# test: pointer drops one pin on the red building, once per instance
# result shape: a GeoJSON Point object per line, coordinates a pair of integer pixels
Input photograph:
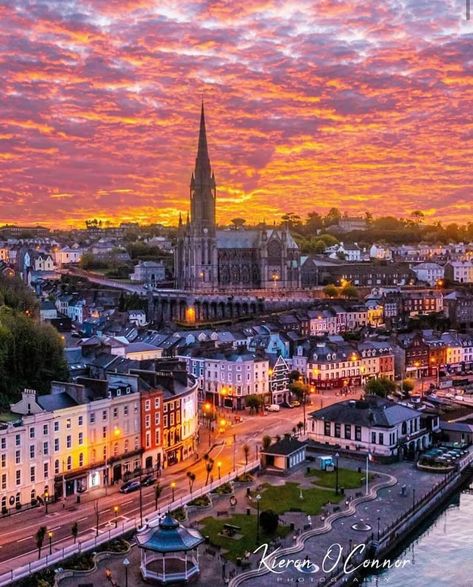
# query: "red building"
{"type": "Point", "coordinates": [151, 402]}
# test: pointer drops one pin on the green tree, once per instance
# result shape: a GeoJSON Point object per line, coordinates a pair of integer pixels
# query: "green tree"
{"type": "Point", "coordinates": [407, 385]}
{"type": "Point", "coordinates": [157, 494]}
{"type": "Point", "coordinates": [382, 386]}
{"type": "Point", "coordinates": [294, 375]}
{"type": "Point", "coordinates": [208, 469]}
{"type": "Point", "coordinates": [266, 442]}
{"type": "Point", "coordinates": [330, 291]}
{"type": "Point", "coordinates": [269, 521]}
{"type": "Point", "coordinates": [246, 452]}
{"type": "Point", "coordinates": [238, 223]}
{"type": "Point", "coordinates": [349, 291]}
{"type": "Point", "coordinates": [254, 402]}
{"type": "Point", "coordinates": [191, 479]}
{"type": "Point", "coordinates": [75, 531]}
{"type": "Point", "coordinates": [39, 539]}
{"type": "Point", "coordinates": [300, 389]}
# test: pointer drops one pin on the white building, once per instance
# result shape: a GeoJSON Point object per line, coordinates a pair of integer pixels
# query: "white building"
{"type": "Point", "coordinates": [459, 271]}
{"type": "Point", "coordinates": [429, 273]}
{"type": "Point", "coordinates": [151, 272]}
{"type": "Point", "coordinates": [375, 425]}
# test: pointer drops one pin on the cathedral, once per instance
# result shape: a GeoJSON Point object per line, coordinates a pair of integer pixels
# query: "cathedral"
{"type": "Point", "coordinates": [207, 258]}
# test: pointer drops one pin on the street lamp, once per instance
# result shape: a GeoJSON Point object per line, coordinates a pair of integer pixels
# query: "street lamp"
{"type": "Point", "coordinates": [173, 487]}
{"type": "Point", "coordinates": [258, 498]}
{"type": "Point", "coordinates": [126, 563]}
{"type": "Point", "coordinates": [46, 500]}
{"type": "Point", "coordinates": [50, 537]}
{"type": "Point", "coordinates": [337, 456]}
{"type": "Point", "coordinates": [219, 466]}
{"type": "Point", "coordinates": [115, 509]}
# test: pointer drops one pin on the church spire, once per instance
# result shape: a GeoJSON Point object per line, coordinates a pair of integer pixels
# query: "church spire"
{"type": "Point", "coordinates": [202, 162]}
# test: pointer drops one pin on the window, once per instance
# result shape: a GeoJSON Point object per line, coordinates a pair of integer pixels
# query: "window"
{"type": "Point", "coordinates": [56, 467]}
{"type": "Point", "coordinates": [158, 437]}
{"type": "Point", "coordinates": [69, 441]}
{"type": "Point", "coordinates": [17, 457]}
{"type": "Point", "coordinates": [46, 470]}
{"type": "Point", "coordinates": [104, 415]}
{"type": "Point", "coordinates": [381, 438]}
{"type": "Point", "coordinates": [69, 463]}
{"type": "Point", "coordinates": [81, 459]}
{"type": "Point", "coordinates": [56, 445]}
{"type": "Point", "coordinates": [147, 405]}
{"type": "Point", "coordinates": [81, 438]}
{"type": "Point", "coordinates": [147, 421]}
{"type": "Point", "coordinates": [18, 477]}
{"type": "Point", "coordinates": [32, 474]}
{"type": "Point", "coordinates": [348, 431]}
{"type": "Point", "coordinates": [45, 429]}
{"type": "Point", "coordinates": [4, 481]}
{"type": "Point", "coordinates": [172, 419]}
{"type": "Point", "coordinates": [45, 448]}
{"type": "Point", "coordinates": [31, 432]}
{"type": "Point", "coordinates": [32, 451]}
{"type": "Point", "coordinates": [104, 432]}
{"type": "Point", "coordinates": [56, 426]}
{"type": "Point", "coordinates": [4, 461]}
{"type": "Point", "coordinates": [157, 402]}
{"type": "Point", "coordinates": [125, 410]}
{"type": "Point", "coordinates": [165, 421]}
{"type": "Point", "coordinates": [157, 419]}
{"type": "Point", "coordinates": [115, 412]}
{"type": "Point", "coordinates": [126, 445]}
{"type": "Point", "coordinates": [92, 417]}
{"type": "Point", "coordinates": [148, 439]}
{"type": "Point", "coordinates": [17, 440]}
{"type": "Point", "coordinates": [80, 420]}
{"type": "Point", "coordinates": [68, 423]}
{"type": "Point", "coordinates": [3, 444]}
{"type": "Point", "coordinates": [115, 449]}
{"type": "Point", "coordinates": [373, 437]}
{"type": "Point", "coordinates": [327, 429]}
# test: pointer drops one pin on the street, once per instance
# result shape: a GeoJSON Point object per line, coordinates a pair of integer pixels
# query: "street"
{"type": "Point", "coordinates": [17, 542]}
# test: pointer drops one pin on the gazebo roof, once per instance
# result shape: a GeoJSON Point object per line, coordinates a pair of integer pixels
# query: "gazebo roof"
{"type": "Point", "coordinates": [169, 536]}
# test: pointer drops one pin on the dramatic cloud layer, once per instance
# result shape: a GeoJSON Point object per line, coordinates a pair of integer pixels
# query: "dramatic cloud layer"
{"type": "Point", "coordinates": [310, 104]}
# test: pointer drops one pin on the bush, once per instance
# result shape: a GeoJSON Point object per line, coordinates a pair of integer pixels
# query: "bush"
{"type": "Point", "coordinates": [116, 545]}
{"type": "Point", "coordinates": [269, 521]}
{"type": "Point", "coordinates": [201, 502]}
{"type": "Point", "coordinates": [179, 514]}
{"type": "Point", "coordinates": [80, 562]}
{"type": "Point", "coordinates": [224, 489]}
{"type": "Point", "coordinates": [244, 478]}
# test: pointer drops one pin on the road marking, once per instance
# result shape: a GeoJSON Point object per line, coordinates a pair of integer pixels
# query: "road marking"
{"type": "Point", "coordinates": [103, 511]}
{"type": "Point", "coordinates": [23, 539]}
{"type": "Point", "coordinates": [82, 519]}
{"type": "Point", "coordinates": [56, 528]}
{"type": "Point", "coordinates": [125, 502]}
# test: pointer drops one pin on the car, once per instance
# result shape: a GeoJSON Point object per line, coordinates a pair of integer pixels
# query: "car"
{"type": "Point", "coordinates": [295, 404]}
{"type": "Point", "coordinates": [130, 486]}
{"type": "Point", "coordinates": [287, 405]}
{"type": "Point", "coordinates": [273, 408]}
{"type": "Point", "coordinates": [148, 480]}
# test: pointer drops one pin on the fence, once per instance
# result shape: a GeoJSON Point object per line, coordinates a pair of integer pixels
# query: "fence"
{"type": "Point", "coordinates": [111, 533]}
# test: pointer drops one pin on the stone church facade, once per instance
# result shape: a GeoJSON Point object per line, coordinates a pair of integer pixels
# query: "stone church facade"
{"type": "Point", "coordinates": [207, 258]}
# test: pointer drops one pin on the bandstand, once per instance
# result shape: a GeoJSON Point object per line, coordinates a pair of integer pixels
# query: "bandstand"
{"type": "Point", "coordinates": [169, 552]}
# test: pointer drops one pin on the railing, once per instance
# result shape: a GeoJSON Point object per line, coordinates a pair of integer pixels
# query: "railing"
{"type": "Point", "coordinates": [111, 533]}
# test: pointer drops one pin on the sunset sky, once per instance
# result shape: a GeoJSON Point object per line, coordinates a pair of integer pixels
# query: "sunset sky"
{"type": "Point", "coordinates": [361, 104]}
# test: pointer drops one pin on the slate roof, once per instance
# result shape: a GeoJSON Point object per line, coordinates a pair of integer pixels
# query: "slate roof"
{"type": "Point", "coordinates": [374, 411]}
{"type": "Point", "coordinates": [56, 401]}
{"type": "Point", "coordinates": [285, 447]}
{"type": "Point", "coordinates": [170, 536]}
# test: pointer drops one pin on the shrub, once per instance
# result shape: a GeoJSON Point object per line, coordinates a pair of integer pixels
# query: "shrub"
{"type": "Point", "coordinates": [201, 502]}
{"type": "Point", "coordinates": [224, 489]}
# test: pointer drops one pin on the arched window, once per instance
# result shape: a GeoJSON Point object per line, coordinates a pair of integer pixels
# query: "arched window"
{"type": "Point", "coordinates": [56, 467]}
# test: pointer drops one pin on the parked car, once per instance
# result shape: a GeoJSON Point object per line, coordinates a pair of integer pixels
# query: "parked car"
{"type": "Point", "coordinates": [273, 408]}
{"type": "Point", "coordinates": [287, 405]}
{"type": "Point", "coordinates": [130, 486]}
{"type": "Point", "coordinates": [148, 480]}
{"type": "Point", "coordinates": [295, 404]}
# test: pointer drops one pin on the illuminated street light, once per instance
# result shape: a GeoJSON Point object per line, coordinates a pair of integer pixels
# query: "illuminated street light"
{"type": "Point", "coordinates": [173, 487]}
{"type": "Point", "coordinates": [50, 537]}
{"type": "Point", "coordinates": [115, 510]}
{"type": "Point", "coordinates": [219, 466]}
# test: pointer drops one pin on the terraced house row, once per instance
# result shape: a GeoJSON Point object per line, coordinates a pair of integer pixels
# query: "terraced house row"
{"type": "Point", "coordinates": [96, 432]}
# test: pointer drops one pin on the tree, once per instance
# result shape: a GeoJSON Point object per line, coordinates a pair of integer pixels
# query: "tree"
{"type": "Point", "coordinates": [381, 386]}
{"type": "Point", "coordinates": [238, 223]}
{"type": "Point", "coordinates": [266, 442]}
{"type": "Point", "coordinates": [269, 521]}
{"type": "Point", "coordinates": [246, 452]}
{"type": "Point", "coordinates": [418, 216]}
{"type": "Point", "coordinates": [157, 494]}
{"type": "Point", "coordinates": [294, 375]}
{"type": "Point", "coordinates": [191, 478]}
{"type": "Point", "coordinates": [39, 539]}
{"type": "Point", "coordinates": [300, 425]}
{"type": "Point", "coordinates": [254, 402]}
{"type": "Point", "coordinates": [313, 223]}
{"type": "Point", "coordinates": [300, 389]}
{"type": "Point", "coordinates": [293, 221]}
{"type": "Point", "coordinates": [208, 469]}
{"type": "Point", "coordinates": [407, 385]}
{"type": "Point", "coordinates": [330, 291]}
{"type": "Point", "coordinates": [75, 531]}
{"type": "Point", "coordinates": [349, 291]}
{"type": "Point", "coordinates": [333, 217]}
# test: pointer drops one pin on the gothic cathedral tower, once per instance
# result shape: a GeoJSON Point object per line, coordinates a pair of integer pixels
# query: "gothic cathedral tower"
{"type": "Point", "coordinates": [196, 260]}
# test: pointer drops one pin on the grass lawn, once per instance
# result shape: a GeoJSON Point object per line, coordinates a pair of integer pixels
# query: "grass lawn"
{"type": "Point", "coordinates": [235, 548]}
{"type": "Point", "coordinates": [285, 498]}
{"type": "Point", "coordinates": [347, 478]}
